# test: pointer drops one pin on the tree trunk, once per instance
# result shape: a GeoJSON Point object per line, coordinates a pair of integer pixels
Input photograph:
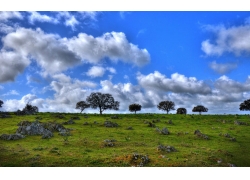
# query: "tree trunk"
{"type": "Point", "coordinates": [135, 112]}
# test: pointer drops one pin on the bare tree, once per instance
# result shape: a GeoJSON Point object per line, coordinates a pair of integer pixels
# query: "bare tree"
{"type": "Point", "coordinates": [134, 107]}
{"type": "Point", "coordinates": [166, 106]}
{"type": "Point", "coordinates": [102, 101]}
{"type": "Point", "coordinates": [200, 109]}
{"type": "Point", "coordinates": [82, 105]}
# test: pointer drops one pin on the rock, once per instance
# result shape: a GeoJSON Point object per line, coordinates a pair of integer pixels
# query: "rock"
{"type": "Point", "coordinates": [95, 122]}
{"type": "Point", "coordinates": [164, 131]}
{"type": "Point", "coordinates": [199, 134]}
{"type": "Point", "coordinates": [110, 124]}
{"type": "Point", "coordinates": [109, 142]}
{"type": "Point", "coordinates": [64, 133]}
{"type": "Point", "coordinates": [239, 123]}
{"type": "Point", "coordinates": [139, 160]}
{"type": "Point", "coordinates": [170, 122]}
{"type": "Point", "coordinates": [47, 134]}
{"type": "Point", "coordinates": [129, 128]}
{"type": "Point", "coordinates": [150, 124]}
{"type": "Point", "coordinates": [114, 117]}
{"type": "Point", "coordinates": [69, 122]}
{"type": "Point", "coordinates": [75, 118]}
{"type": "Point", "coordinates": [12, 136]}
{"type": "Point", "coordinates": [166, 148]}
{"type": "Point", "coordinates": [85, 123]}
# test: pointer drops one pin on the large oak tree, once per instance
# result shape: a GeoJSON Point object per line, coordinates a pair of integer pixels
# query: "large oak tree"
{"type": "Point", "coordinates": [134, 107]}
{"type": "Point", "coordinates": [166, 106]}
{"type": "Point", "coordinates": [245, 106]}
{"type": "Point", "coordinates": [200, 109]}
{"type": "Point", "coordinates": [102, 101]}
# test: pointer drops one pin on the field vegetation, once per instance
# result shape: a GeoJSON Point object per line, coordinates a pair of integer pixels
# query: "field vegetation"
{"type": "Point", "coordinates": [149, 140]}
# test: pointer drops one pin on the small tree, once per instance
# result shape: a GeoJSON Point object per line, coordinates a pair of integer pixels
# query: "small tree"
{"type": "Point", "coordinates": [1, 103]}
{"type": "Point", "coordinates": [200, 109]}
{"type": "Point", "coordinates": [245, 106]}
{"type": "Point", "coordinates": [166, 106]}
{"type": "Point", "coordinates": [134, 107]}
{"type": "Point", "coordinates": [82, 105]}
{"type": "Point", "coordinates": [29, 109]}
{"type": "Point", "coordinates": [102, 101]}
{"type": "Point", "coordinates": [181, 111]}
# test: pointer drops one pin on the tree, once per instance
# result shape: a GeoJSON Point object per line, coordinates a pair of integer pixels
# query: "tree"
{"type": "Point", "coordinates": [166, 106]}
{"type": "Point", "coordinates": [102, 101]}
{"type": "Point", "coordinates": [1, 103]}
{"type": "Point", "coordinates": [200, 109]}
{"type": "Point", "coordinates": [181, 111]}
{"type": "Point", "coordinates": [134, 107]}
{"type": "Point", "coordinates": [29, 109]}
{"type": "Point", "coordinates": [82, 105]}
{"type": "Point", "coordinates": [245, 106]}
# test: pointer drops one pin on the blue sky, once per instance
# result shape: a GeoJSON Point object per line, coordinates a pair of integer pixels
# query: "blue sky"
{"type": "Point", "coordinates": [55, 59]}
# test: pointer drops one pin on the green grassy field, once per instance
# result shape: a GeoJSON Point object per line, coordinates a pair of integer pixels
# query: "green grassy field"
{"type": "Point", "coordinates": [86, 146]}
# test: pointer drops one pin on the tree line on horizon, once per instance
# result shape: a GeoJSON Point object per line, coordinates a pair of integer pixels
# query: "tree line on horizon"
{"type": "Point", "coordinates": [102, 102]}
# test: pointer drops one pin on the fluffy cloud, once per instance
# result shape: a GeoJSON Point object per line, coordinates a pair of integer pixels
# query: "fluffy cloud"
{"type": "Point", "coordinates": [14, 104]}
{"type": "Point", "coordinates": [12, 64]}
{"type": "Point", "coordinates": [11, 92]}
{"type": "Point", "coordinates": [113, 45]}
{"type": "Point", "coordinates": [4, 28]}
{"type": "Point", "coordinates": [222, 68]}
{"type": "Point", "coordinates": [230, 86]}
{"type": "Point", "coordinates": [177, 83]}
{"type": "Point", "coordinates": [6, 15]}
{"type": "Point", "coordinates": [96, 71]}
{"type": "Point", "coordinates": [46, 49]}
{"type": "Point", "coordinates": [35, 16]}
{"type": "Point", "coordinates": [232, 40]}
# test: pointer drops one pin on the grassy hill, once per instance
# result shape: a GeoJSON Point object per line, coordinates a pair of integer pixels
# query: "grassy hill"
{"type": "Point", "coordinates": [132, 143]}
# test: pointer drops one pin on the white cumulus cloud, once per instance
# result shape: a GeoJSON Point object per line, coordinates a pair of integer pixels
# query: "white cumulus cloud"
{"type": "Point", "coordinates": [222, 68]}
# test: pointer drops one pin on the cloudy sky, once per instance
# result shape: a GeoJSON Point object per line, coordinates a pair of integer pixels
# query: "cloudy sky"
{"type": "Point", "coordinates": [53, 59]}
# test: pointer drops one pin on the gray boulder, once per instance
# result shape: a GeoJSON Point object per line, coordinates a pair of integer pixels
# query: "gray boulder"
{"type": "Point", "coordinates": [12, 136]}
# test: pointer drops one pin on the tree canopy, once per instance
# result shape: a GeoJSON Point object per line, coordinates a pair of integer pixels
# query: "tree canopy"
{"type": "Point", "coordinates": [1, 103]}
{"type": "Point", "coordinates": [102, 101]}
{"type": "Point", "coordinates": [166, 106]}
{"type": "Point", "coordinates": [245, 106]}
{"type": "Point", "coordinates": [134, 107]}
{"type": "Point", "coordinates": [200, 109]}
{"type": "Point", "coordinates": [29, 109]}
{"type": "Point", "coordinates": [82, 105]}
{"type": "Point", "coordinates": [181, 111]}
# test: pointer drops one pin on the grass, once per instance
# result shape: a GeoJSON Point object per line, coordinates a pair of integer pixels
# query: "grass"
{"type": "Point", "coordinates": [86, 146]}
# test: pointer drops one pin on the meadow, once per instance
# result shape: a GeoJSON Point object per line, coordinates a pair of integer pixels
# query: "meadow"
{"type": "Point", "coordinates": [134, 142]}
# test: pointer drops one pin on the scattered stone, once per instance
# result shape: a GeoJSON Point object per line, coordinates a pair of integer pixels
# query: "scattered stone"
{"type": "Point", "coordinates": [170, 121]}
{"type": "Point", "coordinates": [230, 165]}
{"type": "Point", "coordinates": [69, 122]}
{"type": "Point", "coordinates": [37, 128]}
{"type": "Point", "coordinates": [65, 133]}
{"type": "Point", "coordinates": [129, 128]}
{"type": "Point", "coordinates": [150, 124]}
{"type": "Point", "coordinates": [114, 117]}
{"type": "Point", "coordinates": [240, 123]}
{"type": "Point", "coordinates": [85, 123]}
{"type": "Point", "coordinates": [164, 131]}
{"type": "Point", "coordinates": [110, 124]}
{"type": "Point", "coordinates": [233, 139]}
{"type": "Point", "coordinates": [109, 142]}
{"type": "Point", "coordinates": [139, 160]}
{"type": "Point", "coordinates": [75, 118]}
{"type": "Point", "coordinates": [219, 161]}
{"type": "Point", "coordinates": [12, 136]}
{"type": "Point", "coordinates": [60, 116]}
{"type": "Point", "coordinates": [96, 122]}
{"type": "Point", "coordinates": [199, 134]}
{"type": "Point", "coordinates": [166, 148]}
{"type": "Point", "coordinates": [227, 135]}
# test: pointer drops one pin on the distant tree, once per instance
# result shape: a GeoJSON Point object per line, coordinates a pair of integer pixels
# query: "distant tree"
{"type": "Point", "coordinates": [82, 105]}
{"type": "Point", "coordinates": [1, 103]}
{"type": "Point", "coordinates": [200, 109]}
{"type": "Point", "coordinates": [134, 107]}
{"type": "Point", "coordinates": [166, 106]}
{"type": "Point", "coordinates": [245, 106]}
{"type": "Point", "coordinates": [29, 109]}
{"type": "Point", "coordinates": [102, 101]}
{"type": "Point", "coordinates": [181, 111]}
